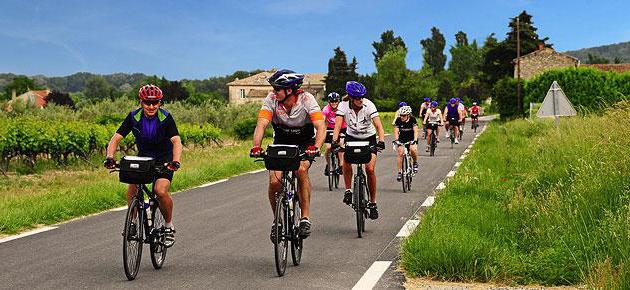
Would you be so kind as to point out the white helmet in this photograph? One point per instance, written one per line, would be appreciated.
(405, 110)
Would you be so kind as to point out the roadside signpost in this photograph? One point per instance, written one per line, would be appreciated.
(556, 104)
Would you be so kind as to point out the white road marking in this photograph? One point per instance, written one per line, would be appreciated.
(257, 171)
(450, 173)
(429, 201)
(466, 151)
(462, 157)
(211, 183)
(441, 186)
(457, 164)
(25, 234)
(372, 275)
(119, 208)
(408, 228)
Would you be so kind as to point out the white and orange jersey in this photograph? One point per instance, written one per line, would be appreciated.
(305, 111)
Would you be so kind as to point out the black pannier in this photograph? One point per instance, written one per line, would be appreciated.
(136, 170)
(357, 152)
(282, 157)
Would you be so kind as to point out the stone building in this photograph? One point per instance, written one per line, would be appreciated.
(255, 88)
(545, 58)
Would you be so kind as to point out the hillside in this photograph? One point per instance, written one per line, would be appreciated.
(621, 50)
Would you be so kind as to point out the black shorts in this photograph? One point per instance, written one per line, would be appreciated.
(453, 122)
(432, 126)
(167, 173)
(371, 139)
(474, 117)
(405, 139)
(329, 135)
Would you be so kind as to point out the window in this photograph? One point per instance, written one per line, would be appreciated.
(242, 93)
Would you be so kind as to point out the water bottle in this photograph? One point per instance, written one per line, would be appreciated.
(147, 206)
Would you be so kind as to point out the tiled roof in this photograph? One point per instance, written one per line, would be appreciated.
(614, 67)
(545, 50)
(254, 93)
(260, 79)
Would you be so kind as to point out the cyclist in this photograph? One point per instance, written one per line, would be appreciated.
(474, 113)
(453, 116)
(397, 114)
(156, 136)
(432, 119)
(406, 130)
(423, 110)
(364, 124)
(330, 113)
(462, 109)
(295, 117)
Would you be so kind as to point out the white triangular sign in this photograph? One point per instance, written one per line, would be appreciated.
(556, 103)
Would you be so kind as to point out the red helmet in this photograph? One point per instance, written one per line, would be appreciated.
(150, 92)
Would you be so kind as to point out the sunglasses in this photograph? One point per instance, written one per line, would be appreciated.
(334, 101)
(151, 102)
(276, 90)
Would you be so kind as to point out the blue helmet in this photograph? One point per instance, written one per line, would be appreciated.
(434, 104)
(286, 79)
(427, 99)
(453, 101)
(402, 104)
(458, 100)
(355, 89)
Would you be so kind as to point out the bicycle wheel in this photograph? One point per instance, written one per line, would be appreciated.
(364, 194)
(132, 241)
(403, 181)
(297, 242)
(156, 247)
(336, 176)
(410, 175)
(452, 136)
(280, 244)
(433, 143)
(331, 177)
(358, 209)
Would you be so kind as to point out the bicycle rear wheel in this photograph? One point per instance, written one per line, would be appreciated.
(433, 143)
(403, 181)
(132, 240)
(331, 177)
(336, 175)
(280, 244)
(156, 247)
(410, 174)
(297, 242)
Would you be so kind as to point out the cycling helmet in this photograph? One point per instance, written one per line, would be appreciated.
(402, 104)
(427, 99)
(453, 101)
(474, 103)
(286, 79)
(458, 100)
(405, 110)
(150, 92)
(434, 104)
(355, 90)
(334, 97)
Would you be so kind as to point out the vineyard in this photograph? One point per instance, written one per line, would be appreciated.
(29, 139)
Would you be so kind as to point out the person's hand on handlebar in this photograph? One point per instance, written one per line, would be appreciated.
(380, 145)
(173, 165)
(312, 151)
(396, 142)
(109, 163)
(256, 151)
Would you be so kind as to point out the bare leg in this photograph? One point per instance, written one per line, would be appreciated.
(371, 178)
(304, 188)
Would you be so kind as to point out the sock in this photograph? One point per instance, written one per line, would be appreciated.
(169, 225)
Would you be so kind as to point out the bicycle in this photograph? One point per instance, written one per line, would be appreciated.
(407, 168)
(451, 132)
(333, 175)
(474, 123)
(144, 222)
(433, 141)
(286, 158)
(359, 153)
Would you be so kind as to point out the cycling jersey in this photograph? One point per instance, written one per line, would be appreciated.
(451, 112)
(434, 117)
(330, 114)
(359, 124)
(423, 109)
(405, 129)
(153, 135)
(474, 110)
(296, 126)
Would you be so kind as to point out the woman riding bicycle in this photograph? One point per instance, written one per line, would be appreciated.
(432, 120)
(406, 130)
(295, 116)
(454, 117)
(330, 114)
(363, 125)
(156, 136)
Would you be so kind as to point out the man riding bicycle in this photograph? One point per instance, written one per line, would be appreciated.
(432, 120)
(156, 136)
(363, 125)
(463, 112)
(295, 116)
(406, 130)
(330, 114)
(453, 117)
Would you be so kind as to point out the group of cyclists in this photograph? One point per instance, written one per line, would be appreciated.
(297, 119)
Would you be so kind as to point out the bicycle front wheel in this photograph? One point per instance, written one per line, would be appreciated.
(297, 242)
(157, 248)
(358, 208)
(132, 240)
(403, 181)
(331, 177)
(280, 243)
(433, 144)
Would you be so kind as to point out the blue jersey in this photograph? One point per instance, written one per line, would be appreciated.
(153, 135)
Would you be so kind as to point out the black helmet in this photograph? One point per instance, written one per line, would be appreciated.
(286, 79)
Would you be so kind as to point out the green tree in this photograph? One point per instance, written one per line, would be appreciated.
(59, 98)
(391, 73)
(446, 87)
(97, 88)
(433, 54)
(465, 59)
(387, 43)
(461, 39)
(21, 84)
(597, 59)
(339, 72)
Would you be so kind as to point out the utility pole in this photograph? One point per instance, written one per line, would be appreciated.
(518, 67)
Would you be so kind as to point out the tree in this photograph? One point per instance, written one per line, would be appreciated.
(59, 98)
(461, 38)
(339, 72)
(21, 84)
(446, 87)
(433, 55)
(465, 59)
(597, 59)
(387, 43)
(391, 73)
(97, 88)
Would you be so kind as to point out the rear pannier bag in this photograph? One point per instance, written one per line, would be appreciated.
(136, 170)
(282, 157)
(357, 152)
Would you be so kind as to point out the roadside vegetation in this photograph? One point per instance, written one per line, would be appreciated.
(534, 204)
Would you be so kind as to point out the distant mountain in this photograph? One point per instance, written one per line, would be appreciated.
(621, 50)
(76, 82)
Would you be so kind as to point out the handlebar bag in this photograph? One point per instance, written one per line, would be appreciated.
(357, 152)
(282, 157)
(137, 170)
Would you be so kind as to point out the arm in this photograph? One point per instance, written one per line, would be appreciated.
(415, 132)
(379, 128)
(177, 148)
(396, 133)
(112, 146)
(426, 116)
(320, 135)
(338, 122)
(259, 132)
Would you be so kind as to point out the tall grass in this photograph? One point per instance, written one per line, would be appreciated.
(534, 204)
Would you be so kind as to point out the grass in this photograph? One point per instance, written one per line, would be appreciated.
(386, 119)
(533, 204)
(52, 196)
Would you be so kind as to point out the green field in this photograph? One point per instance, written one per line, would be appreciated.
(534, 204)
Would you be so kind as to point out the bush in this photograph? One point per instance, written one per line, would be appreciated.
(504, 92)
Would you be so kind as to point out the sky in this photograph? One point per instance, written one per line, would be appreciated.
(200, 39)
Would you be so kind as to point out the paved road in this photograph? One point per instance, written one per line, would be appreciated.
(223, 238)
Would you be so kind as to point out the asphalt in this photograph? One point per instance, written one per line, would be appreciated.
(223, 238)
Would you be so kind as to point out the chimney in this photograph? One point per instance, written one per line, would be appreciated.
(13, 94)
(541, 46)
